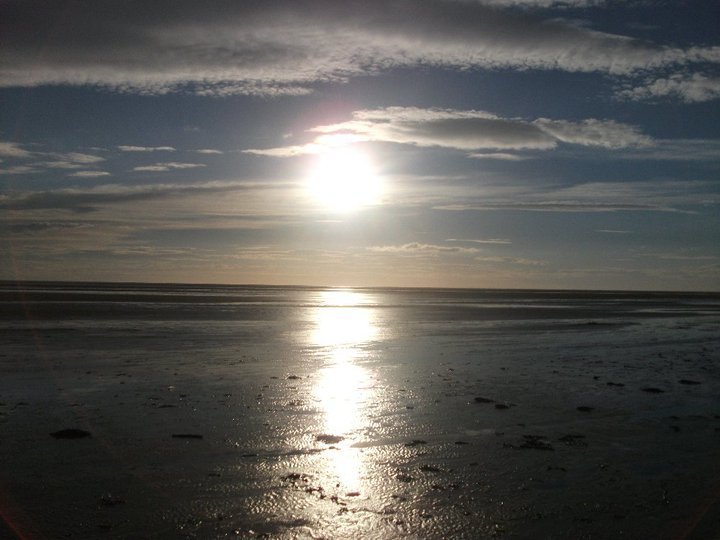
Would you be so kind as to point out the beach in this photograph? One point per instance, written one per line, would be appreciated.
(168, 411)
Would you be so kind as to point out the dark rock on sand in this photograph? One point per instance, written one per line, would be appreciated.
(186, 436)
(71, 433)
(481, 399)
(416, 442)
(653, 390)
(688, 381)
(610, 383)
(328, 439)
(428, 468)
(296, 477)
(109, 500)
(503, 406)
(573, 439)
(535, 442)
(585, 408)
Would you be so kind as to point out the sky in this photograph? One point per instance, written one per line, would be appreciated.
(433, 143)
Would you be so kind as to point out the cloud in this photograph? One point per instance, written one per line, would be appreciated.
(83, 200)
(18, 169)
(546, 3)
(124, 148)
(60, 165)
(163, 167)
(41, 227)
(556, 206)
(496, 241)
(286, 151)
(503, 156)
(417, 248)
(286, 46)
(13, 150)
(519, 261)
(89, 174)
(693, 88)
(592, 197)
(676, 150)
(73, 160)
(76, 157)
(464, 130)
(592, 132)
(54, 160)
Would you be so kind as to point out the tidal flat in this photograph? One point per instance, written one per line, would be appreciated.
(147, 411)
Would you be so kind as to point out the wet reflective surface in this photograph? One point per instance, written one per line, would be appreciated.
(344, 390)
(309, 413)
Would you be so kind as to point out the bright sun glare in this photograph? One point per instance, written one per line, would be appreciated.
(343, 179)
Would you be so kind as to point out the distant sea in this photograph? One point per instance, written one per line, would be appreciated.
(207, 411)
(29, 301)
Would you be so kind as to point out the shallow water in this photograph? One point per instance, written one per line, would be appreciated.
(352, 413)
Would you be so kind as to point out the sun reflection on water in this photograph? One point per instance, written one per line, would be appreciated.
(344, 324)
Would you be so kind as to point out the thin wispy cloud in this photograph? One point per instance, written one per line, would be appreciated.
(18, 169)
(501, 156)
(421, 249)
(13, 150)
(492, 241)
(515, 261)
(39, 161)
(78, 199)
(89, 174)
(171, 166)
(125, 148)
(596, 197)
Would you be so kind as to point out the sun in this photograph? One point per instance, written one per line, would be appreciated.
(344, 179)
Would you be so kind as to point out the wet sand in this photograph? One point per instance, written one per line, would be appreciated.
(396, 428)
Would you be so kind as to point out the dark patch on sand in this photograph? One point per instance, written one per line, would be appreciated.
(71, 433)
